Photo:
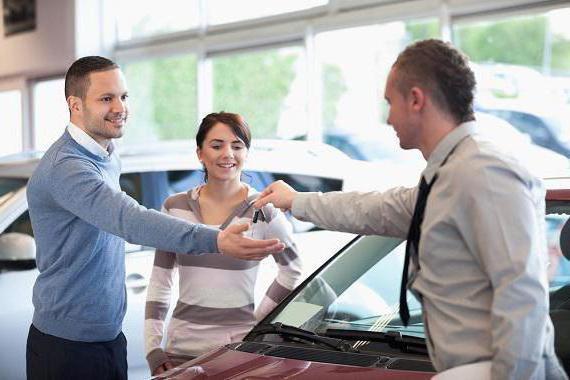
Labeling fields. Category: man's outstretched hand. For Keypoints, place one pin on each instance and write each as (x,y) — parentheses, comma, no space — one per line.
(231,242)
(278,193)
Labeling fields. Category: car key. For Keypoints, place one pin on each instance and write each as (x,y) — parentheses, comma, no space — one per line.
(254,220)
(255,215)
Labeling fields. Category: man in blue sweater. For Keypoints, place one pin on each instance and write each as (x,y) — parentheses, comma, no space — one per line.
(81,220)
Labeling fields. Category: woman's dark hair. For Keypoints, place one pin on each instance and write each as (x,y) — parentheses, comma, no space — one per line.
(236,123)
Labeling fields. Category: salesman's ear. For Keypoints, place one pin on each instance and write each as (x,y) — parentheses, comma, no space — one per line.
(417,98)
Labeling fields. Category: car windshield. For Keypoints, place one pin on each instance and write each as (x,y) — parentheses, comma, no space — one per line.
(366,297)
(359,288)
(559,127)
(8,186)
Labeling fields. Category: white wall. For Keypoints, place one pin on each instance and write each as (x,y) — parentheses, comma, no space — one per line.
(47,50)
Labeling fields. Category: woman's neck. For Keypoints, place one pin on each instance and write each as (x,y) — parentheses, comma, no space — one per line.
(224,191)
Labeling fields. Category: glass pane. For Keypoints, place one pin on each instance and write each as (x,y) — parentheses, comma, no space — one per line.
(525,81)
(11,111)
(559,260)
(365,298)
(10,185)
(162,99)
(267,87)
(143,18)
(353,80)
(51,114)
(223,11)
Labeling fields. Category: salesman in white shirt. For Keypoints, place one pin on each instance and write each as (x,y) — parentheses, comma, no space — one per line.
(480,270)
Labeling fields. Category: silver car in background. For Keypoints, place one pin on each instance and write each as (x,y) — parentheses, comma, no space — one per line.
(150,174)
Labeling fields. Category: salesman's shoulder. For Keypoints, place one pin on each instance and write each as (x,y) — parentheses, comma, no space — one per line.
(478,156)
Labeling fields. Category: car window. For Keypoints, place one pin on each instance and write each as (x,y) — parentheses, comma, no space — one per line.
(530,124)
(310,183)
(22,224)
(183,180)
(363,298)
(9,185)
(131,184)
(558,261)
(149,189)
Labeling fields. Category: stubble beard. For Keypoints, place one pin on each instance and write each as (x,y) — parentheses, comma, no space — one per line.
(98,126)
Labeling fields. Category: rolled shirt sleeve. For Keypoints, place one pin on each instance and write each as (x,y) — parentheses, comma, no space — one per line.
(369,213)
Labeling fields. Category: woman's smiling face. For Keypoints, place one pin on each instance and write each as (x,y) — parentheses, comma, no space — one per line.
(222,153)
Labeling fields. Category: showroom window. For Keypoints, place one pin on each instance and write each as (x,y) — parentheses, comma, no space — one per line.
(353,76)
(162,99)
(267,87)
(11,111)
(51,114)
(223,11)
(525,81)
(145,18)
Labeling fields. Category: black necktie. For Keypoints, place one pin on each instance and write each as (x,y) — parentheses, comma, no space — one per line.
(413,245)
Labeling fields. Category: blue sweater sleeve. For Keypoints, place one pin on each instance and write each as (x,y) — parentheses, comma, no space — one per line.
(78,186)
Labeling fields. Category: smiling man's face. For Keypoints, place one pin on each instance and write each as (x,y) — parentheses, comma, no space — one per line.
(104,110)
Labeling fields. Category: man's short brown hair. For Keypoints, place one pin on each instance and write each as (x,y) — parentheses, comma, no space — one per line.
(77,76)
(443,71)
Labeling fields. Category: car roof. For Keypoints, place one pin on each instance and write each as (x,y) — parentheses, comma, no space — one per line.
(523,106)
(541,161)
(277,156)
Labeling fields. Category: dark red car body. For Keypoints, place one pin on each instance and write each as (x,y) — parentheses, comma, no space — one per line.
(227,363)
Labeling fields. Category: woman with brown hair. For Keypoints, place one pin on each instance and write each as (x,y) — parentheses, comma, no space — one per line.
(216,293)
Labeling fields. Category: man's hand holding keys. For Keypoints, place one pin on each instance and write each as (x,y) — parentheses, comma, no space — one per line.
(278,193)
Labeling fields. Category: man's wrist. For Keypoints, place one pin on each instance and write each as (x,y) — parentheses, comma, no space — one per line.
(298,205)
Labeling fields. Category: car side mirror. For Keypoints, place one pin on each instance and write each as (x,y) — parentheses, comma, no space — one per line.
(17,251)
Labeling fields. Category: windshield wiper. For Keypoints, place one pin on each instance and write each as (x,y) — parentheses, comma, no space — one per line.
(395,339)
(291,331)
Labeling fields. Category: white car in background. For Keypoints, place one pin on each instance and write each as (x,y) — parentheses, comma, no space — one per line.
(543,162)
(404,170)
(150,174)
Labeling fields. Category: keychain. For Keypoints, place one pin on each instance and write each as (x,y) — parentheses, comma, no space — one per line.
(257,214)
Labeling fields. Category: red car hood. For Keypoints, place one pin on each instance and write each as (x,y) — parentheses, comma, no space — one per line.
(225,363)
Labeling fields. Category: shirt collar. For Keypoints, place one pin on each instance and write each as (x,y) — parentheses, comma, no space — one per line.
(445,146)
(86,141)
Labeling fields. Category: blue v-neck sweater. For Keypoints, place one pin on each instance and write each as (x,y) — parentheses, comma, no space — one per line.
(81,220)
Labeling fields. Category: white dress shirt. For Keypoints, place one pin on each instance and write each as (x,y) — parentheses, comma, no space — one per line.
(86,141)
